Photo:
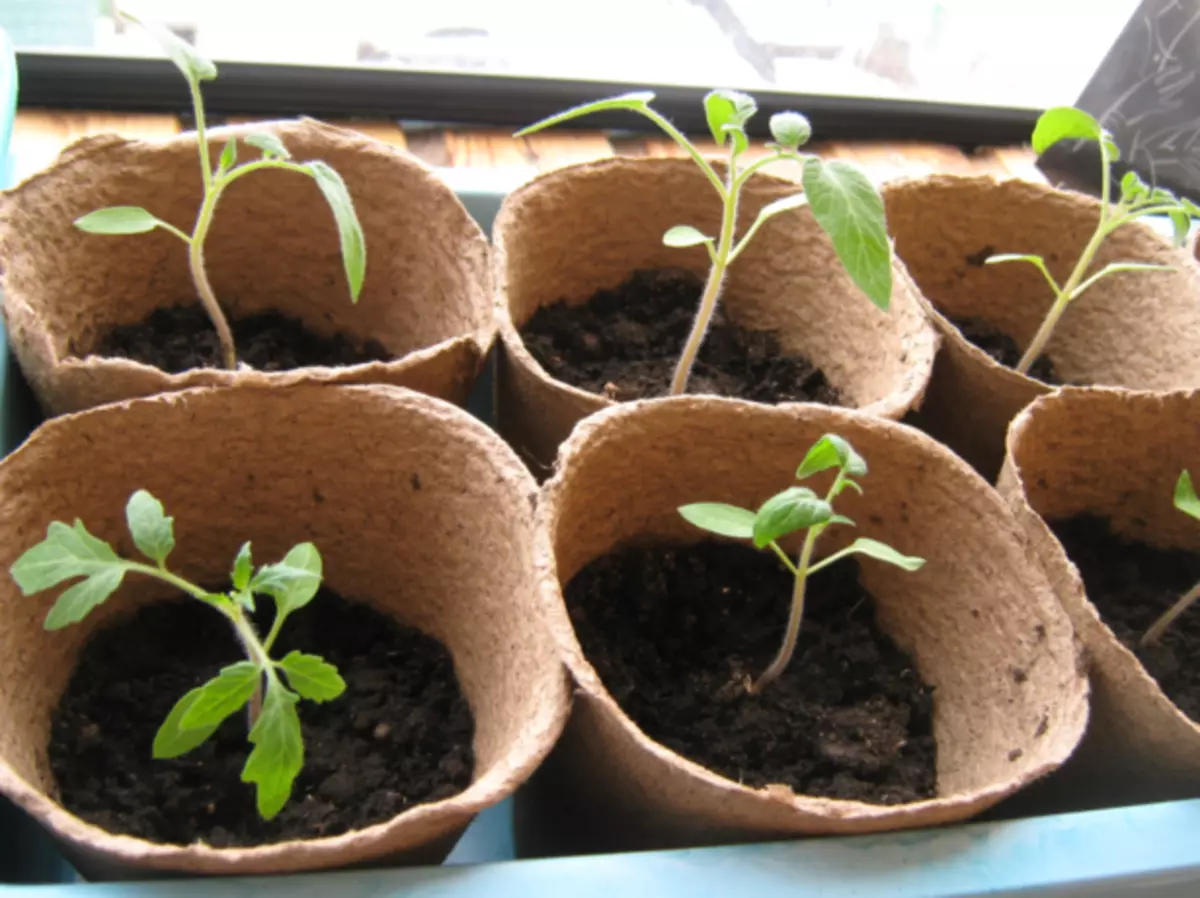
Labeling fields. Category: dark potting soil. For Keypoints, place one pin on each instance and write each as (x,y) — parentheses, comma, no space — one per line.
(1004,350)
(400,734)
(1132,584)
(179,338)
(675,631)
(624,343)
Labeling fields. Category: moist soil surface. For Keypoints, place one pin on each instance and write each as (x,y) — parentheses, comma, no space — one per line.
(624,343)
(400,735)
(179,338)
(1004,350)
(1132,584)
(675,631)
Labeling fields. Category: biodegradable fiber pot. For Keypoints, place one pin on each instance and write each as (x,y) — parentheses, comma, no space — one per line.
(979,609)
(1116,454)
(273,246)
(580,229)
(339,466)
(1136,330)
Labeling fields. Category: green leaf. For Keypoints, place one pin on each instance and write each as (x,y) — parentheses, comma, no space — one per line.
(684,235)
(77,601)
(312,676)
(850,210)
(195,68)
(119,220)
(221,696)
(848,484)
(1185,496)
(873,548)
(1110,145)
(1063,123)
(831,451)
(636,101)
(727,112)
(1181,223)
(790,129)
(292,582)
(1192,209)
(719,518)
(271,146)
(153,532)
(737,134)
(796,508)
(842,519)
(172,739)
(66,552)
(354,244)
(243,568)
(1036,261)
(278,751)
(1133,188)
(228,156)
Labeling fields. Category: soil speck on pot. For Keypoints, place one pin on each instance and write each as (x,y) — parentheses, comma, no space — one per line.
(675,631)
(400,735)
(1132,584)
(624,343)
(1004,350)
(180,338)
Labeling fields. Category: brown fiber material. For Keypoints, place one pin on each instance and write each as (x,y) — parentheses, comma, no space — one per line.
(416,508)
(273,245)
(1117,454)
(979,609)
(574,231)
(1136,330)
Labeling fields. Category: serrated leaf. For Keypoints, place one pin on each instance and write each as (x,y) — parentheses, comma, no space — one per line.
(636,100)
(118,220)
(791,129)
(719,518)
(228,156)
(850,210)
(312,676)
(831,451)
(726,108)
(243,568)
(278,753)
(187,59)
(153,532)
(684,235)
(1185,496)
(66,552)
(796,508)
(1063,123)
(172,740)
(78,601)
(350,233)
(221,696)
(1133,188)
(268,143)
(293,581)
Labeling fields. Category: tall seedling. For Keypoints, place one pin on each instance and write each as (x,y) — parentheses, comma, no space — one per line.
(273,155)
(1137,201)
(842,198)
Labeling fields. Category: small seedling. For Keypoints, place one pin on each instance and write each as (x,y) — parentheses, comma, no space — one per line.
(69,552)
(274,155)
(1137,200)
(843,201)
(799,508)
(1187,502)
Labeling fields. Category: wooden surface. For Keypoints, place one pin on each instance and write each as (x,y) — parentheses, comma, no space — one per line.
(38,136)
